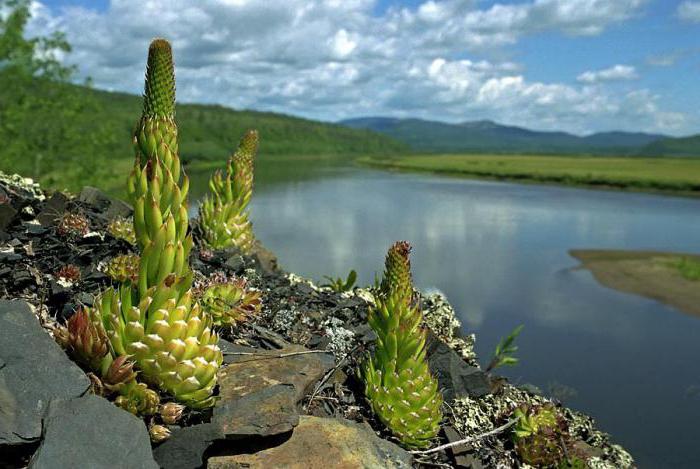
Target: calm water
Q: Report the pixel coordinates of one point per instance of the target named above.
(499, 253)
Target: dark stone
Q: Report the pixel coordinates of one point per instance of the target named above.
(258, 394)
(235, 263)
(265, 260)
(364, 333)
(53, 209)
(112, 208)
(33, 371)
(186, 446)
(7, 215)
(269, 411)
(319, 443)
(455, 377)
(92, 432)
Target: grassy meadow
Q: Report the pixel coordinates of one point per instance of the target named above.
(675, 175)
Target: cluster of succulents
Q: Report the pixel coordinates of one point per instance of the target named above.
(223, 213)
(229, 301)
(87, 342)
(541, 435)
(122, 228)
(398, 383)
(152, 318)
(73, 224)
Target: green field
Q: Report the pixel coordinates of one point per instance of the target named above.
(674, 175)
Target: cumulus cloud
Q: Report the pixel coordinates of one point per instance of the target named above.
(334, 59)
(689, 11)
(614, 73)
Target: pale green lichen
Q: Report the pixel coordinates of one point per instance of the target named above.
(441, 318)
(26, 184)
(474, 416)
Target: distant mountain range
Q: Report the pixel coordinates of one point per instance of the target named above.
(490, 137)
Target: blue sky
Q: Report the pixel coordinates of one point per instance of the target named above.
(576, 65)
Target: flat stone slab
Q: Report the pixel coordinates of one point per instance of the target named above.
(251, 373)
(91, 432)
(320, 443)
(33, 371)
(259, 393)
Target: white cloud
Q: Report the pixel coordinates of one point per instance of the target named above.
(689, 11)
(333, 59)
(614, 73)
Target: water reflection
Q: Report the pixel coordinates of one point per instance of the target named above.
(499, 253)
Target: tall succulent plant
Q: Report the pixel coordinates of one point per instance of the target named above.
(155, 319)
(398, 383)
(223, 215)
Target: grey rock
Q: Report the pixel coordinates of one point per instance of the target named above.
(265, 260)
(53, 209)
(33, 371)
(93, 433)
(112, 208)
(7, 215)
(320, 443)
(186, 446)
(259, 393)
(455, 377)
(269, 411)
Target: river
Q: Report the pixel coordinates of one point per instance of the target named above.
(499, 252)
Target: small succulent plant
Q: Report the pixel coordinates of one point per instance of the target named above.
(223, 215)
(87, 342)
(158, 433)
(540, 435)
(124, 268)
(122, 228)
(69, 272)
(154, 320)
(230, 301)
(171, 412)
(84, 339)
(73, 224)
(398, 383)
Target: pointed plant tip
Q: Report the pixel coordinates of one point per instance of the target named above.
(160, 45)
(402, 247)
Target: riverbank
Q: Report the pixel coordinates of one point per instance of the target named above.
(288, 393)
(661, 276)
(676, 176)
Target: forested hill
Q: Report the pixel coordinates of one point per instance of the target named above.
(64, 133)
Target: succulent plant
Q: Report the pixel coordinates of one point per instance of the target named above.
(168, 336)
(84, 339)
(138, 399)
(117, 372)
(122, 228)
(69, 272)
(223, 215)
(155, 320)
(230, 301)
(540, 435)
(158, 433)
(170, 412)
(73, 224)
(124, 268)
(398, 383)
